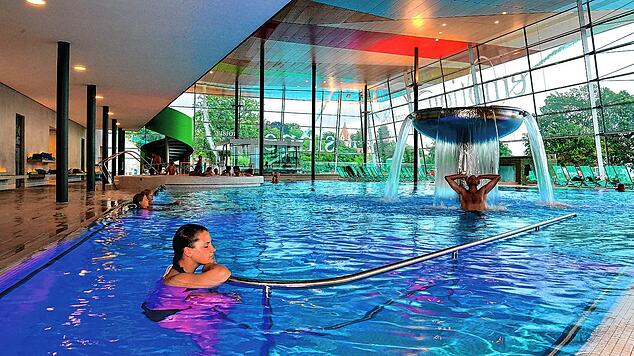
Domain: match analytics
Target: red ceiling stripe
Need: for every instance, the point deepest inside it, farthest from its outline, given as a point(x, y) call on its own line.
point(360, 40)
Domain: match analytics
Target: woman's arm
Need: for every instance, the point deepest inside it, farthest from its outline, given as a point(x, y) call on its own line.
point(213, 275)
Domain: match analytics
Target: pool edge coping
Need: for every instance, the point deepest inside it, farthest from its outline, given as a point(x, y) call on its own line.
point(26, 267)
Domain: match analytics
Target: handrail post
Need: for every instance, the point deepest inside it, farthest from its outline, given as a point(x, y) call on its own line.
point(267, 318)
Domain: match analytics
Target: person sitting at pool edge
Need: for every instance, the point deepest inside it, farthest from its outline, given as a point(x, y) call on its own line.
point(192, 249)
point(171, 169)
point(208, 172)
point(473, 199)
point(198, 168)
point(236, 171)
point(620, 188)
point(227, 171)
point(156, 164)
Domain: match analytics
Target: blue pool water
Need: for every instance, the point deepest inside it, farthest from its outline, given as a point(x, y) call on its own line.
point(517, 295)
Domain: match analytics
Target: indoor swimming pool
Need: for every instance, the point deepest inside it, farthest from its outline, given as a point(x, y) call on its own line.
point(520, 295)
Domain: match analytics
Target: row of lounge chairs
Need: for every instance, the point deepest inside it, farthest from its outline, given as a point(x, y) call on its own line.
point(373, 173)
point(587, 176)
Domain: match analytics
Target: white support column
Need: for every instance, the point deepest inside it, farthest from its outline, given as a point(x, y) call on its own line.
point(474, 77)
point(592, 87)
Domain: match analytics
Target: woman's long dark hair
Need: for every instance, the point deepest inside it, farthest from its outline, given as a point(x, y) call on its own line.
point(185, 236)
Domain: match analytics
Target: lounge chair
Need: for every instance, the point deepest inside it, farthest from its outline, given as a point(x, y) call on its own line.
point(613, 178)
point(559, 177)
point(354, 173)
point(573, 176)
point(361, 173)
point(589, 178)
point(623, 176)
point(368, 174)
point(376, 172)
point(409, 173)
point(421, 174)
point(532, 178)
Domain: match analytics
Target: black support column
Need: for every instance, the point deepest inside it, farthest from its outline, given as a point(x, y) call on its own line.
point(261, 141)
point(104, 142)
point(61, 130)
point(91, 122)
point(113, 171)
point(365, 124)
point(415, 108)
point(121, 148)
point(313, 122)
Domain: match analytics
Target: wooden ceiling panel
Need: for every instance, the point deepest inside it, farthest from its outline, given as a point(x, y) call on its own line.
point(402, 9)
point(359, 42)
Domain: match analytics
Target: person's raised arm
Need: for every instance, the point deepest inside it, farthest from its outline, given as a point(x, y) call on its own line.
point(494, 179)
point(451, 179)
point(213, 275)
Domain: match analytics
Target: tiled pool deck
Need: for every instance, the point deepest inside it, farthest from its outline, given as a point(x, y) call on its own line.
point(31, 220)
point(615, 335)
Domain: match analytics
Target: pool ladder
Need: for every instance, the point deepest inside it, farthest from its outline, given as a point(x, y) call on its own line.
point(103, 164)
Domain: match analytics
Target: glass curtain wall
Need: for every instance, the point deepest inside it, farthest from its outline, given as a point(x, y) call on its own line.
point(542, 68)
point(287, 127)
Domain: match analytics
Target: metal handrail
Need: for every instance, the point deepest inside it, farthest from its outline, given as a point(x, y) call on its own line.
point(329, 282)
point(104, 167)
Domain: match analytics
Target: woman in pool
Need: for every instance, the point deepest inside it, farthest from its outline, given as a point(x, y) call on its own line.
point(180, 301)
point(192, 249)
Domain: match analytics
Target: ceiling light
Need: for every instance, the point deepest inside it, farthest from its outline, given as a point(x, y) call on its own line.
point(504, 13)
point(496, 22)
point(37, 2)
point(118, 124)
point(440, 32)
point(306, 80)
point(436, 40)
point(110, 113)
point(99, 97)
point(417, 21)
point(79, 68)
point(443, 25)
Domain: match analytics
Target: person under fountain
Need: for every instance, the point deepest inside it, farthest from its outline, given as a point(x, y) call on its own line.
point(472, 198)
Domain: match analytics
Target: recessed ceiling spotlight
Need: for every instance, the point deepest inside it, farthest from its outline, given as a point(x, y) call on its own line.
point(37, 2)
point(99, 97)
point(436, 40)
point(443, 25)
point(110, 113)
point(417, 21)
point(211, 72)
point(440, 32)
point(496, 22)
point(118, 124)
point(306, 80)
point(504, 13)
point(79, 68)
